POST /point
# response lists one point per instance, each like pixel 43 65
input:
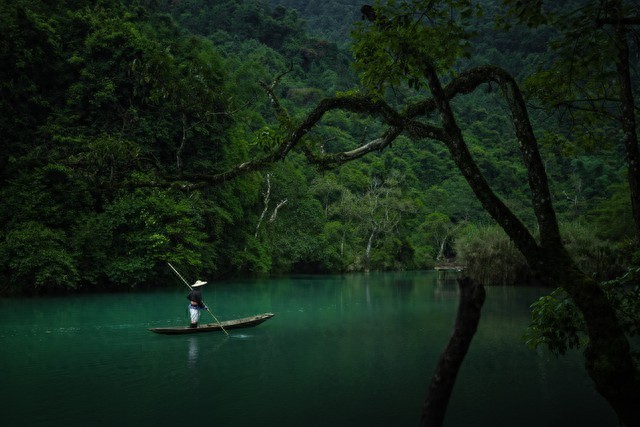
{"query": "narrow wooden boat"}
pixel 246 322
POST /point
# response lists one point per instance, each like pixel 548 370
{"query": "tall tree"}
pixel 417 44
pixel 592 75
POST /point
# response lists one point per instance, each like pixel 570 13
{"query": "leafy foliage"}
pixel 558 325
pixel 489 256
pixel 411 33
pixel 107 106
pixel 36 257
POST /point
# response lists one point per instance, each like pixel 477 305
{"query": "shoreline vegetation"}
pixel 234 139
pixel 113 110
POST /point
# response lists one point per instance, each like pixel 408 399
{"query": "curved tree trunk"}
pixel 607 357
pixel 472 296
pixel 628 119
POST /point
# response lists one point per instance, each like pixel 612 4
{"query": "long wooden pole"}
pixel 187 283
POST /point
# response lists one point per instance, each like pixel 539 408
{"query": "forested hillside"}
pixel 113 111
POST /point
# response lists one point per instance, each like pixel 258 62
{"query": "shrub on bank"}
pixel 490 256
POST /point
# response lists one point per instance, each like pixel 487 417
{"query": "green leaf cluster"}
pixel 407 35
pixel 558 325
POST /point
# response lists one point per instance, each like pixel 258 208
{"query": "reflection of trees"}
pixel 446 289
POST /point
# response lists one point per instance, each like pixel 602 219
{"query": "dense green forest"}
pixel 112 110
pixel 246 137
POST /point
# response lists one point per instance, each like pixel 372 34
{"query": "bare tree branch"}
pixel 275 210
pixel 267 198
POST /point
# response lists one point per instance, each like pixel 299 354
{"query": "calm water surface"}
pixel 354 350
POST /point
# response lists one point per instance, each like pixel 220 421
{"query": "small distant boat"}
pixel 246 322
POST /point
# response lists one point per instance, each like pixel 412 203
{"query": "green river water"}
pixel 355 350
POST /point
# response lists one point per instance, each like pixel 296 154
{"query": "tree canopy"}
pixel 108 105
pixel 223 138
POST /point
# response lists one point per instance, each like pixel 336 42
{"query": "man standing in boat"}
pixel 195 303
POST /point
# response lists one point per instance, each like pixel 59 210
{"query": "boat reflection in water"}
pixel 194 351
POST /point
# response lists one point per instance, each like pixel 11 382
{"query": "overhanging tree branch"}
pixel 328 161
pixel 607 340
